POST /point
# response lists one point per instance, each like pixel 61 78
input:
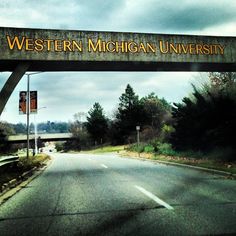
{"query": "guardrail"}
pixel 7 160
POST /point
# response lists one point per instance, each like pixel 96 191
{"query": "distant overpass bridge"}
pixel 43 137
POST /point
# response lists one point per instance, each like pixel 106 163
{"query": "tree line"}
pixel 150 113
pixel 204 122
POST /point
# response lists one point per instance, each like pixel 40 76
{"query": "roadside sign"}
pixel 33 102
pixel 23 103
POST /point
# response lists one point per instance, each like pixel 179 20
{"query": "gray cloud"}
pixel 77 14
pixel 123 15
pixel 179 16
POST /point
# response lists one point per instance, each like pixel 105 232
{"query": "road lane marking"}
pixel 104 166
pixel 154 198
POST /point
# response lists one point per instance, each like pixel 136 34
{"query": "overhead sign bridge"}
pixel 24 50
pixel 44 137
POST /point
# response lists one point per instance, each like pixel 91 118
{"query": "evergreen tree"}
pixel 206 121
pixel 128 99
pixel 97 124
pixel 130 114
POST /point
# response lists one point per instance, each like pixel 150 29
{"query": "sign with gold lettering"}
pixel 57 50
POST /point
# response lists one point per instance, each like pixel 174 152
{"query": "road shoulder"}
pixel 145 158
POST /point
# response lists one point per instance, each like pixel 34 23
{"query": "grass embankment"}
pixel 33 161
pixel 106 149
pixel 183 159
pixel 24 164
pixel 204 162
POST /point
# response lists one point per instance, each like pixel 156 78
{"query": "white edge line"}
pixel 104 166
pixel 154 198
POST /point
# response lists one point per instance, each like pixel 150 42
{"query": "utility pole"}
pixel 28 109
pixel 27 113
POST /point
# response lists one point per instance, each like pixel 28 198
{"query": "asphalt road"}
pixel 107 195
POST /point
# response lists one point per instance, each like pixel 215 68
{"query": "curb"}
pixel 212 171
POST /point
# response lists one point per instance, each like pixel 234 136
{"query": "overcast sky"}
pixel 66 93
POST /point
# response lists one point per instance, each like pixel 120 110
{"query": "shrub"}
pixel 165 149
pixel 149 149
pixel 137 148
